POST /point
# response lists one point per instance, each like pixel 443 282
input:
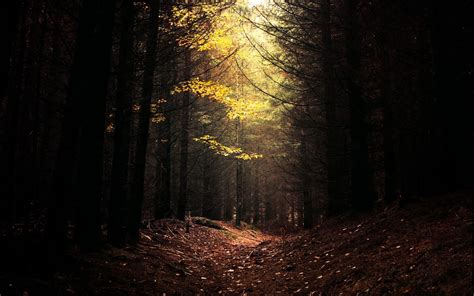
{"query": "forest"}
pixel 236 147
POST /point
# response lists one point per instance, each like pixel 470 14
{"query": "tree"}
pixel 327 63
pixel 89 83
pixel 120 161
pixel 137 187
pixel 184 139
pixel 361 176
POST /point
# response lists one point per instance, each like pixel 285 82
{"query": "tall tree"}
pixel 120 160
pixel 361 179
pixel 256 198
pixel 239 177
pixel 329 80
pixel 385 48
pixel 137 187
pixel 184 139
pixel 13 95
pixel 88 90
pixel 208 202
pixel 306 185
pixel 163 170
pixel 10 20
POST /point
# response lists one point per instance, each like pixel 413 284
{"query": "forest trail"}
pixel 424 250
pixel 214 257
pixel 421 249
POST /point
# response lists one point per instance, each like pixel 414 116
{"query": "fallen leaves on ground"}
pixel 424 250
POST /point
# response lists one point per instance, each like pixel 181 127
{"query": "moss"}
pixel 229 234
pixel 206 222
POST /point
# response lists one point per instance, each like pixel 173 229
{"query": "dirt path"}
pixel 170 261
pixel 224 261
pixel 238 263
pixel 422 251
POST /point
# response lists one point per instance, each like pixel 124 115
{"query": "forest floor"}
pixel 423 248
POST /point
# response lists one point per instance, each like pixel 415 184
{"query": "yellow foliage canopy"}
pixel 224 150
pixel 239 108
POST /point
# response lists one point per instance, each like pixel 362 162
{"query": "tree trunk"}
pixel 137 187
pixel 256 200
pixel 361 179
pixel 120 161
pixel 163 190
pixel 386 74
pixel 27 153
pixel 334 197
pixel 183 153
pixel 163 183
pixel 228 199
pixel 306 185
pixel 208 202
pixel 451 31
pixel 10 22
pixel 238 179
pixel 163 186
pixel 13 89
pixel 89 89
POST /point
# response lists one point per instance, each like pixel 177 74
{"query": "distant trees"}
pixel 377 96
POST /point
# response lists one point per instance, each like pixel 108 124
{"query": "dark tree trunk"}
pixel 452 120
pixel 238 179
pixel 183 153
pixel 183 159
pixel 306 185
pixel 385 49
pixel 228 199
pixel 163 190
pixel 10 22
pixel 120 161
pixel 27 153
pixel 208 202
pixel 361 179
pixel 334 197
pixel 13 96
pixel 269 211
pixel 64 176
pixel 163 170
pixel 256 200
pixel 136 199
pixel 89 89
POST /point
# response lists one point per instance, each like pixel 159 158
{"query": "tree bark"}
pixel 10 22
pixel 13 96
pixel 120 161
pixel 183 153
pixel 306 186
pixel 228 199
pixel 386 87
pixel 256 200
pixel 361 179
pixel 208 202
pixel 238 178
pixel 184 141
pixel 89 89
pixel 163 170
pixel 334 197
pixel 137 187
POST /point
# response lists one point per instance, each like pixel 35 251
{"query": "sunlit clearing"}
pixel 253 3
